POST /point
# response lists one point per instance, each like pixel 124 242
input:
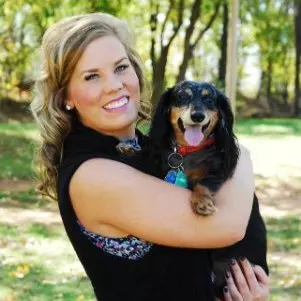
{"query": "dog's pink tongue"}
pixel 193 135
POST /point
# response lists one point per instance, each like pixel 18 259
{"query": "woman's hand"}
pixel 246 282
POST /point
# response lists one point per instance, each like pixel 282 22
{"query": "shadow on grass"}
pixel 284 234
pixel 285 281
pixel 281 194
pixel 291 293
pixel 37 230
pixel 268 127
pixel 23 199
pixel 16 153
pixel 34 282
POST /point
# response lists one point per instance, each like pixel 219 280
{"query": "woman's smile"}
pixel 117 105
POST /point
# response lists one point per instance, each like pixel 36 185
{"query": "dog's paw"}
pixel 204 208
pixel 202 201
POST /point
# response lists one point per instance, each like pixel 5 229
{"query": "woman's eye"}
pixel 122 68
pixel 91 76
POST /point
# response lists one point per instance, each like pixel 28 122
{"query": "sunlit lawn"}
pixel 38 263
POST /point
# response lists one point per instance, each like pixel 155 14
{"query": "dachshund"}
pixel 196 119
pixel 192 134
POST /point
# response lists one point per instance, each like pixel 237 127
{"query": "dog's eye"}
pixel 209 102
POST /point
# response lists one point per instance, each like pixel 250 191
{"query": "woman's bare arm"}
pixel 114 194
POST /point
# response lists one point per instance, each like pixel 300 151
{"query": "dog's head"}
pixel 194 112
pixel 190 112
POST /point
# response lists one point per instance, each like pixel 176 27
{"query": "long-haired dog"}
pixel 192 133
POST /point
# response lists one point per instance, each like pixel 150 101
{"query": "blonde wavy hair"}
pixel 62 46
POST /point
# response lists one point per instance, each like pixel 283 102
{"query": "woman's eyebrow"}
pixel 96 69
pixel 120 60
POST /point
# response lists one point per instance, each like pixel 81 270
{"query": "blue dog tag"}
pixel 171 177
pixel 177 178
pixel 181 180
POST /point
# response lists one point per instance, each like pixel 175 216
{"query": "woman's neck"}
pixel 120 134
pixel 126 134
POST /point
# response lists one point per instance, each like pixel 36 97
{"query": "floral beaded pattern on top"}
pixel 129 247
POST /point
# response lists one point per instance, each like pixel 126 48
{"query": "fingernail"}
pixel 232 261
pixel 242 258
pixel 226 289
pixel 227 275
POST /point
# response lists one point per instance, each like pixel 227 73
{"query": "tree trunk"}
pixel 260 92
pixel 189 46
pixel 184 64
pixel 285 96
pixel 159 61
pixel 298 56
pixel 223 46
pixel 269 85
pixel 159 76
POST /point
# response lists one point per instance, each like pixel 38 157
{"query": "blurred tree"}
pixel 222 66
pixel 193 30
pixel 297 19
pixel 272 30
pixel 180 17
pixel 176 39
pixel 175 17
pixel 22 25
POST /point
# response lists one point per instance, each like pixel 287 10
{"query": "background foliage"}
pixel 177 39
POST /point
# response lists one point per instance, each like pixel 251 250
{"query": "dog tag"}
pixel 171 177
pixel 181 180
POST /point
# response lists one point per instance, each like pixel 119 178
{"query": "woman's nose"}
pixel 113 83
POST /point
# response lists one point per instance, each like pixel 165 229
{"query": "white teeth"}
pixel 117 104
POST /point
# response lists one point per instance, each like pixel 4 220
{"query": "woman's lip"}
pixel 116 99
pixel 116 109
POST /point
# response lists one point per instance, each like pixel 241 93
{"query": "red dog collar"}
pixel 186 149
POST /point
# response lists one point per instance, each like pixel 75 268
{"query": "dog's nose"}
pixel 197 116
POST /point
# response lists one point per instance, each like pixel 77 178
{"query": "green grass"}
pixel 269 127
pixel 41 230
pixel 274 127
pixel 38 263
pixel 16 150
pixel 31 282
pixel 18 140
pixel 285 233
pixel 25 198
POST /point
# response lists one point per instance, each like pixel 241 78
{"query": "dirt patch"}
pixel 16 185
pixel 278 197
pixel 21 216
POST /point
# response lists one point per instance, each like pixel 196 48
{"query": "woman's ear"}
pixel 225 111
pixel 225 137
pixel 69 105
pixel 160 119
pixel 160 125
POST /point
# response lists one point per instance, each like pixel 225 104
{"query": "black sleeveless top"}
pixel 154 272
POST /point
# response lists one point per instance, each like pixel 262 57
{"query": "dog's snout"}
pixel 197 116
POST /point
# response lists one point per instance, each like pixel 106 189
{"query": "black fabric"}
pixel 165 273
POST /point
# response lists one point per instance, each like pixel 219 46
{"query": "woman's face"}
pixel 104 89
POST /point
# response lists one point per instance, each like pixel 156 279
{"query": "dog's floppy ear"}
pixel 225 137
pixel 160 127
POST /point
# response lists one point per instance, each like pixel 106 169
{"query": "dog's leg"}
pixel 202 200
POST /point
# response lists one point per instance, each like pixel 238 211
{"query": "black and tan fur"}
pixel 191 103
pixel 202 105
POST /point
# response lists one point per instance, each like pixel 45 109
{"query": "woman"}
pixel 135 235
